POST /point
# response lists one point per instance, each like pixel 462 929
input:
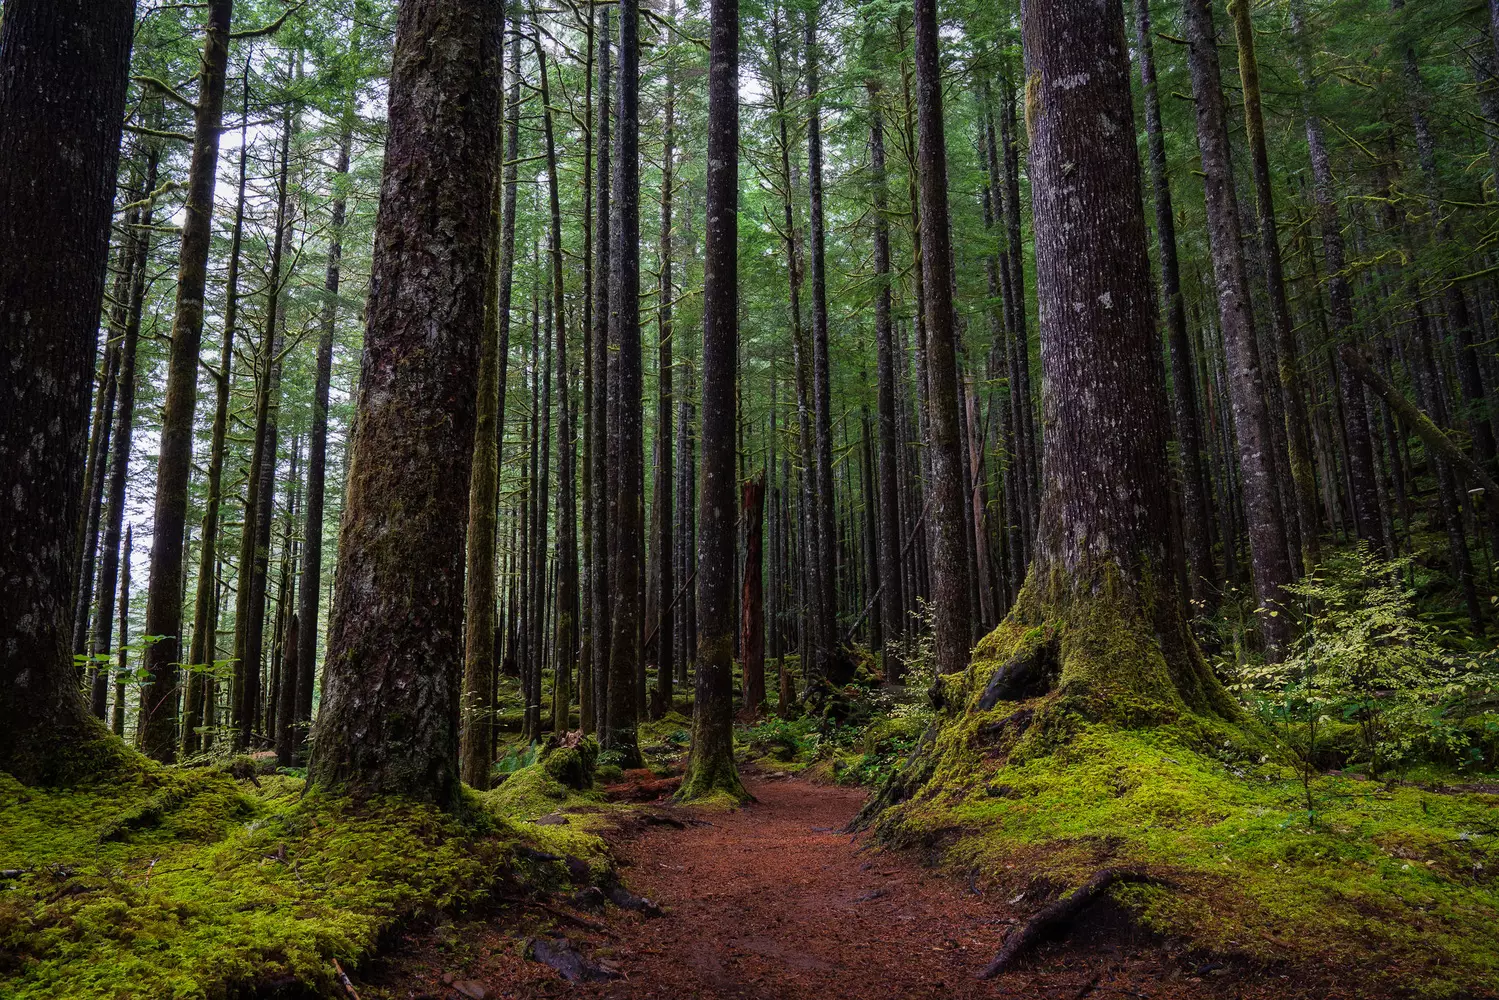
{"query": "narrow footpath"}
pixel 773 902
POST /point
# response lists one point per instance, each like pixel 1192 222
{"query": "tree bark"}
pixel 1103 570
pixel 602 533
pixel 710 764
pixel 950 559
pixel 625 430
pixel 752 595
pixel 63 69
pixel 666 556
pixel 158 723
pixel 390 715
pixel 1267 533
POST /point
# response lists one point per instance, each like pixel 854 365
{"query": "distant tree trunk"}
pixel 1102 575
pixel 566 637
pixel 588 631
pixel 390 714
pixel 666 556
pixel 602 531
pixel 254 547
pixel 1267 533
pixel 158 716
pixel 950 558
pixel 1197 550
pixel 1020 352
pixel 117 722
pixel 625 431
pixel 1360 445
pixel 63 68
pixel 1303 481
pixel 93 497
pixel 317 457
pixel 892 608
pixel 710 764
pixel 196 708
pixel 752 594
pixel 820 462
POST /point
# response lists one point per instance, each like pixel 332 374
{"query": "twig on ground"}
pixel 343 980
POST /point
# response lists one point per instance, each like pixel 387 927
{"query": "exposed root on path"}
pixel 1054 919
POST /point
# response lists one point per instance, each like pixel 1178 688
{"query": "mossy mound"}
pixel 1395 881
pixel 165 882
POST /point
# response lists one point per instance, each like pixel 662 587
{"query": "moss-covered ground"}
pixel 1395 883
pixel 188 883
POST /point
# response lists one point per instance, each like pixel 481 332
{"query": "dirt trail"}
pixel 772 902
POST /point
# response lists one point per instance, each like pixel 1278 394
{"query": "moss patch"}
pixel 164 882
pixel 1399 882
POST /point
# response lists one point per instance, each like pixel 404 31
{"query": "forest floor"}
pixel 774 901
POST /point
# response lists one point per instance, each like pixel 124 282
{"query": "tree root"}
pixel 1054 917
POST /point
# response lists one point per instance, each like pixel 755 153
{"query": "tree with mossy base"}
pixel 1099 630
pixel 710 766
pixel 390 715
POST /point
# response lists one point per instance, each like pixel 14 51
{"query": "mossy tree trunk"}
pixel 390 717
pixel 63 68
pixel 1102 592
pixel 710 765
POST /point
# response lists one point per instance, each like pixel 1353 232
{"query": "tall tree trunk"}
pixel 892 608
pixel 824 606
pixel 1267 533
pixel 117 721
pixel 953 636
pixel 602 532
pixel 710 764
pixel 158 716
pixel 666 556
pixel 93 497
pixel 1201 578
pixel 1103 571
pixel 63 68
pixel 625 430
pixel 254 547
pixel 202 651
pixel 119 462
pixel 1298 447
pixel 390 714
pixel 588 633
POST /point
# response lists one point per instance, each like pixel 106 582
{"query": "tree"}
pixel 63 68
pixel 710 763
pixel 158 724
pixel 950 582
pixel 390 716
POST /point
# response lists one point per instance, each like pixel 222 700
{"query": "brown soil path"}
pixel 772 902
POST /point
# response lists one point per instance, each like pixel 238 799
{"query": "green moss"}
pixel 534 791
pixel 165 882
pixel 1396 880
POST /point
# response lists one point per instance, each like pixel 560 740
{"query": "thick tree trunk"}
pixel 1267 532
pixel 1103 567
pixel 625 429
pixel 950 559
pixel 710 765
pixel 390 714
pixel 158 723
pixel 63 67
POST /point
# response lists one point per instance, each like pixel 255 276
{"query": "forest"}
pixel 749 498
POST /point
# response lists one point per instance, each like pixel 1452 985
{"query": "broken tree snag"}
pixel 1054 918
pixel 1030 672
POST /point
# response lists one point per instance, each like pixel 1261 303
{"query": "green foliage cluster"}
pixel 1369 662
pixel 165 882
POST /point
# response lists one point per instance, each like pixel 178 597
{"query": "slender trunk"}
pixel 122 664
pixel 602 533
pixel 666 556
pixel 752 594
pixel 1267 532
pixel 158 721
